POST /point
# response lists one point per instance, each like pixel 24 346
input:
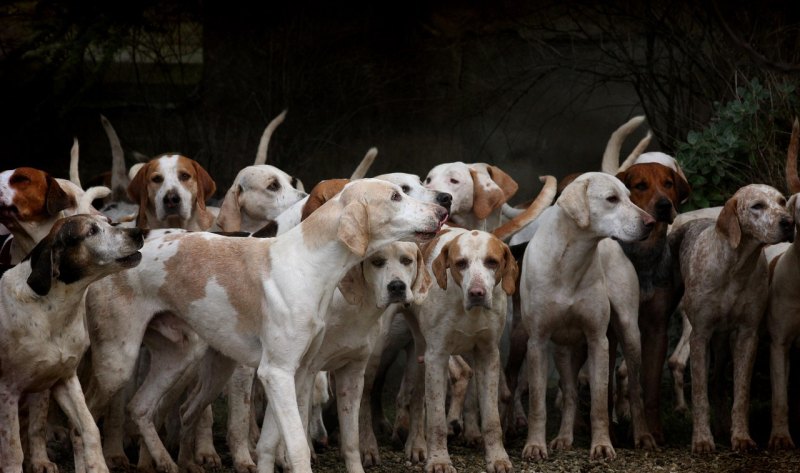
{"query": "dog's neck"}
pixel 743 258
pixel 27 235
pixel 576 252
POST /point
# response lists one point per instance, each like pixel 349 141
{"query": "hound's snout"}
pixel 397 291
pixel 444 199
pixel 442 214
pixel 664 210
pixel 172 200
pixel 787 227
pixel 476 296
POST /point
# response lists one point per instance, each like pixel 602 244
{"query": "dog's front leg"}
pixel 349 386
pixel 535 445
pixel 10 444
pixel 780 437
pixel 436 418
pixel 598 386
pixel 38 404
pixel 745 353
pixel 702 439
pixel 85 434
pixel 568 360
pixel 487 362
pixel 239 401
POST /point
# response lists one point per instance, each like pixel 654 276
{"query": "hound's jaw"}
pixel 131 260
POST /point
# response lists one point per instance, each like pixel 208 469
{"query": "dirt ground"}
pixel 675 457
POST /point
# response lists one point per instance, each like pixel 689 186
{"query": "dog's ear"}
pixel 321 193
pixel 506 183
pixel 230 212
pixel 681 187
pixel 44 260
pixel 353 285
pixel 422 280
pixel 791 206
pixel 509 271
pixel 56 199
pixel 486 195
pixel 440 265
pixel 728 223
pixel 205 185
pixel 354 227
pixel 575 202
pixel 137 191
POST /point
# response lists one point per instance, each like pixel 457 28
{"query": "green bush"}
pixel 744 142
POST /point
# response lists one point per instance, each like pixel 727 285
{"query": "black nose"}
pixel 786 224
pixel 663 205
pixel 397 287
pixel 172 199
pixel 444 199
pixel 136 234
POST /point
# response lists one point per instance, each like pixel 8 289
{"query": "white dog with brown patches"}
pixel 464 315
pixel 270 312
pixel 572 277
pixel 42 329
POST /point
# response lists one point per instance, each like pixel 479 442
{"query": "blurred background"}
pixel 535 87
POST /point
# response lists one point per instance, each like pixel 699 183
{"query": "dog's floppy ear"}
pixel 486 194
pixel 440 265
pixel 205 185
pixel 354 227
pixel 575 202
pixel 728 223
pixel 353 285
pixel 506 183
pixel 56 199
pixel 791 206
pixel 230 212
pixel 681 187
pixel 44 264
pixel 137 191
pixel 422 280
pixel 509 271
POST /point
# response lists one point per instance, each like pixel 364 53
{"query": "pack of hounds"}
pixel 139 315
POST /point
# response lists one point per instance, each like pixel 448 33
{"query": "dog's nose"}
pixel 137 234
pixel 648 221
pixel 444 199
pixel 476 293
pixel 172 199
pixel 786 224
pixel 397 287
pixel 663 205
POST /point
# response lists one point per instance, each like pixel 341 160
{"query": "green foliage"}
pixel 744 142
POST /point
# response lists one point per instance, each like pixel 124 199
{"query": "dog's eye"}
pixel 405 260
pixel 184 176
pixel 405 189
pixel 461 264
pixel 613 199
pixel 491 263
pixel 274 186
pixel 453 181
pixel 378 262
pixel 396 196
pixel 19 179
pixel 668 184
pixel 642 186
pixel 157 178
pixel 93 230
pixel 758 206
pixel 427 180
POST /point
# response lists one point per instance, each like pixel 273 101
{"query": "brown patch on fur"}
pixel 427 249
pixel 37 195
pixel 507 270
pixel 249 256
pixel 321 193
pixel 484 200
pixel 651 182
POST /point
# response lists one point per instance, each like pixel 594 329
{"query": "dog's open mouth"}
pixel 131 260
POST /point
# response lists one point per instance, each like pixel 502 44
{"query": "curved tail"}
pixel 261 154
pixel 365 164
pixel 614 145
pixel 542 201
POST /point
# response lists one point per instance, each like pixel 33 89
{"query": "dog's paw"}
pixel 117 462
pixel 499 465
pixel 193 468
pixel 534 452
pixel 208 458
pixel 245 467
pixel 370 454
pixel 439 465
pixel 703 443
pixel 780 442
pixel 602 451
pixel 645 442
pixel 416 450
pixel 742 443
pixel 44 466
pixel 561 443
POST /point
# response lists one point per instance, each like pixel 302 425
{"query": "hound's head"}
pixel 258 194
pixel 476 189
pixel 478 261
pixel 82 249
pixel 375 213
pixel 31 195
pixel 395 273
pixel 759 212
pixel 656 188
pixel 412 186
pixel 173 188
pixel 601 205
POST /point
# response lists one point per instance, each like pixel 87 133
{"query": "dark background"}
pixel 535 87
